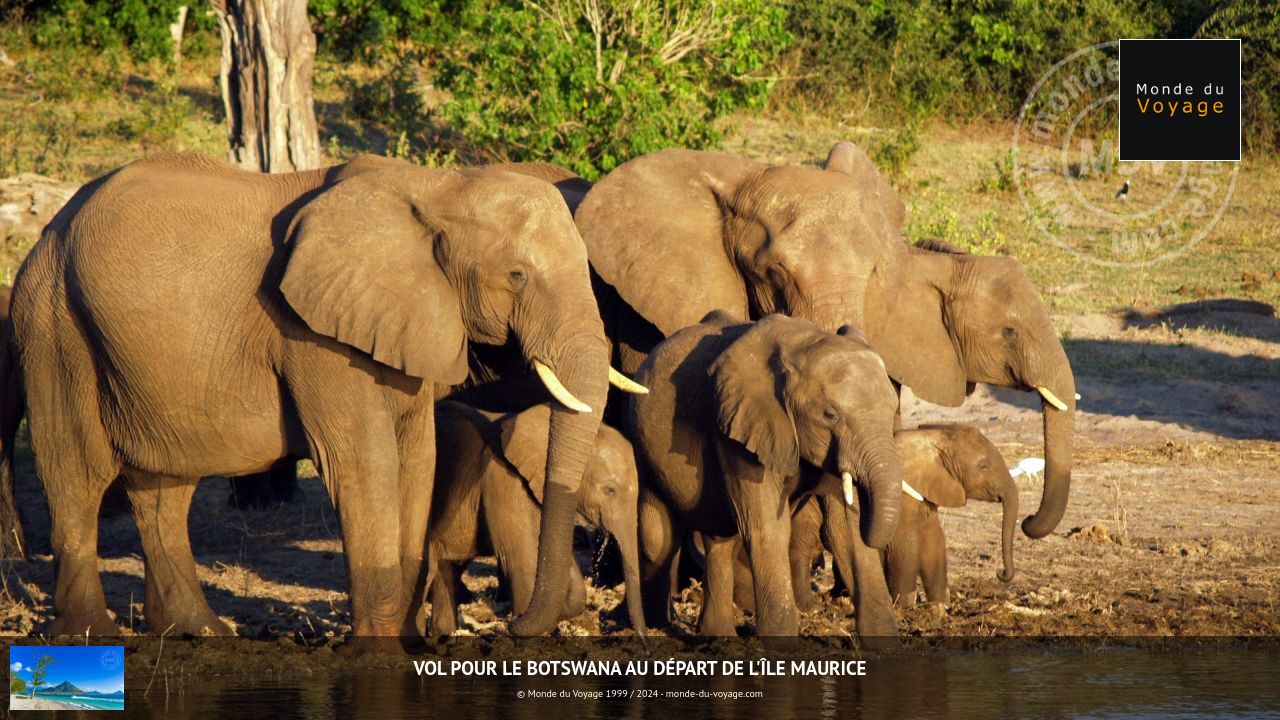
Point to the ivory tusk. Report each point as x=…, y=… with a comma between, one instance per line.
x=557, y=388
x=915, y=494
x=846, y=482
x=1053, y=399
x=626, y=384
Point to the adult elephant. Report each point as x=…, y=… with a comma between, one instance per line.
x=181, y=318
x=678, y=233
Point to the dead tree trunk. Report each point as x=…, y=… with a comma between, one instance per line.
x=267, y=54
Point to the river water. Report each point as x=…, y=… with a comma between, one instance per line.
x=1237, y=682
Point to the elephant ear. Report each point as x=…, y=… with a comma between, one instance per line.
x=523, y=441
x=940, y=488
x=749, y=383
x=362, y=269
x=849, y=159
x=654, y=230
x=915, y=343
x=943, y=485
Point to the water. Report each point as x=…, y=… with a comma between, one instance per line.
x=1132, y=684
x=93, y=703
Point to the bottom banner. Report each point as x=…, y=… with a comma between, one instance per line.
x=595, y=678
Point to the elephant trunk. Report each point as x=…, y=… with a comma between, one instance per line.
x=580, y=363
x=880, y=476
x=1059, y=429
x=628, y=546
x=1008, y=493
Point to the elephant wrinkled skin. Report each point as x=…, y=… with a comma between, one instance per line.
x=181, y=318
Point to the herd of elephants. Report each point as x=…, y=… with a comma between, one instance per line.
x=701, y=354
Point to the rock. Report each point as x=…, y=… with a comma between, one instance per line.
x=29, y=201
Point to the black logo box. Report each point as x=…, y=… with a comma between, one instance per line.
x=1177, y=72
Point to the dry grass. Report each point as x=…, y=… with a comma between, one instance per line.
x=1192, y=511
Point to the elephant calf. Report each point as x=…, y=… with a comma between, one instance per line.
x=735, y=413
x=942, y=466
x=946, y=465
x=488, y=497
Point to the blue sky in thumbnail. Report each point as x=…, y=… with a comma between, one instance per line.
x=88, y=667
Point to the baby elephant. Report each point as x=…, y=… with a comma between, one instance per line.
x=742, y=419
x=490, y=472
x=946, y=465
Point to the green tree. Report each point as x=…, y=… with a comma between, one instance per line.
x=372, y=29
x=16, y=685
x=592, y=83
x=142, y=26
x=40, y=672
x=1257, y=24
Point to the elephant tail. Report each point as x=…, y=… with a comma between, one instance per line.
x=12, y=404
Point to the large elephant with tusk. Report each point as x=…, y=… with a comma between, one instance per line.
x=181, y=318
x=678, y=233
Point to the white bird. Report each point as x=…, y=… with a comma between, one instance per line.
x=1030, y=467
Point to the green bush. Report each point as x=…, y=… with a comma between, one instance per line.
x=589, y=85
x=1257, y=24
x=949, y=58
x=893, y=153
x=981, y=236
x=371, y=29
x=17, y=685
x=141, y=26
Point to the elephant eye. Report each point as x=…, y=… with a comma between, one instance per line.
x=517, y=278
x=776, y=275
x=610, y=491
x=830, y=415
x=1010, y=334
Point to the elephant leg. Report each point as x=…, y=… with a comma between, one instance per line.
x=902, y=567
x=415, y=442
x=661, y=538
x=806, y=529
x=513, y=531
x=863, y=571
x=717, y=596
x=933, y=561
x=174, y=603
x=75, y=472
x=444, y=602
x=764, y=521
x=353, y=444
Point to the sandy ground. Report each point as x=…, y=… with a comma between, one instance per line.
x=39, y=703
x=1171, y=530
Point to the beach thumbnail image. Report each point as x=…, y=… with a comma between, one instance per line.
x=66, y=677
